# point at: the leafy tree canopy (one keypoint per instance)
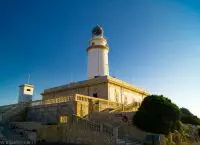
(188, 118)
(157, 114)
(185, 112)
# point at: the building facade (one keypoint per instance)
(103, 87)
(99, 83)
(99, 93)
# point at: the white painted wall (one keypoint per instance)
(125, 96)
(25, 93)
(98, 59)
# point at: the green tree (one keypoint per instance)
(157, 114)
(188, 118)
(185, 112)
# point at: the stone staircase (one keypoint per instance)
(14, 136)
(80, 130)
(11, 111)
(6, 107)
(9, 135)
(115, 116)
(106, 117)
(110, 132)
(126, 108)
(127, 142)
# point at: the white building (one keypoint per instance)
(25, 93)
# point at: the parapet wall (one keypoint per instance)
(50, 110)
(50, 113)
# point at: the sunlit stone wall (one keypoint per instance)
(50, 113)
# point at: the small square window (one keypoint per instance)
(95, 95)
(28, 90)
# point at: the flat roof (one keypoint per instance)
(28, 85)
(94, 81)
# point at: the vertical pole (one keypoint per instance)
(29, 78)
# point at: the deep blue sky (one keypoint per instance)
(154, 44)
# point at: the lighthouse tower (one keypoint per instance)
(97, 54)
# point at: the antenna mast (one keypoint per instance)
(29, 78)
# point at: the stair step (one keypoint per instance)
(121, 142)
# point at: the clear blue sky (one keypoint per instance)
(154, 44)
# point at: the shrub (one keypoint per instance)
(157, 114)
(188, 118)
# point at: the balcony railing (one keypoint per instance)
(76, 97)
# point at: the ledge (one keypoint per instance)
(98, 46)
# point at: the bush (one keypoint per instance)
(157, 114)
(188, 118)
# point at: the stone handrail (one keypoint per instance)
(7, 107)
(36, 103)
(80, 130)
(136, 133)
(53, 101)
(12, 111)
(106, 132)
(75, 97)
(110, 104)
(127, 108)
(58, 100)
(93, 126)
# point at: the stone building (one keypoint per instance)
(98, 93)
(99, 83)
(103, 87)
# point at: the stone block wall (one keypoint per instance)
(50, 113)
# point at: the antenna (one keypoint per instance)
(29, 76)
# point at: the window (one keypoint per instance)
(63, 119)
(28, 90)
(125, 100)
(95, 95)
(116, 96)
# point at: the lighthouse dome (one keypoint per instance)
(97, 31)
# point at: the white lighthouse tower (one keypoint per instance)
(97, 54)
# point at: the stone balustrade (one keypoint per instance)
(106, 128)
(77, 97)
(12, 111)
(127, 108)
(80, 130)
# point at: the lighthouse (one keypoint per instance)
(97, 54)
